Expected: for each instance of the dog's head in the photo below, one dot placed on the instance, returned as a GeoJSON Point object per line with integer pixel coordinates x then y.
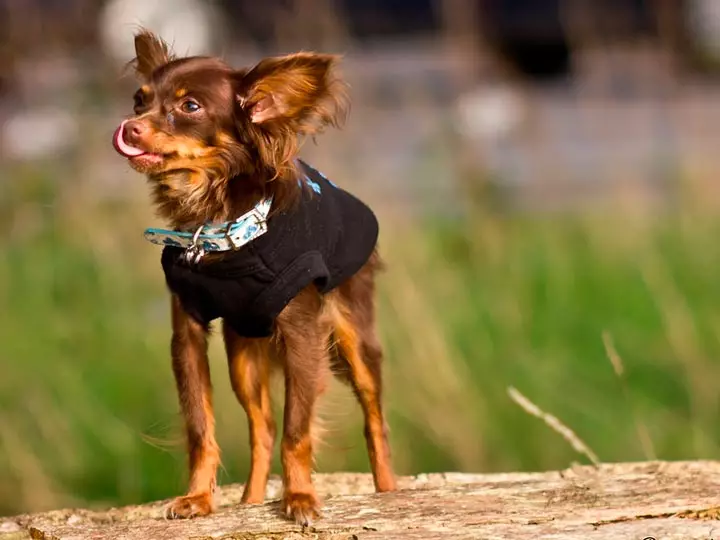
{"type": "Point", "coordinates": [202, 120]}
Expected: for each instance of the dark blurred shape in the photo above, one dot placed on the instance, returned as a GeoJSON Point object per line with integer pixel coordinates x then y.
{"type": "Point", "coordinates": [255, 20]}
{"type": "Point", "coordinates": [536, 35]}
{"type": "Point", "coordinates": [365, 19]}
{"type": "Point", "coordinates": [529, 34]}
{"type": "Point", "coordinates": [5, 56]}
{"type": "Point", "coordinates": [370, 19]}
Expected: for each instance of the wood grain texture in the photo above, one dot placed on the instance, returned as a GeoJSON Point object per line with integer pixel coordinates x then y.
{"type": "Point", "coordinates": [627, 501]}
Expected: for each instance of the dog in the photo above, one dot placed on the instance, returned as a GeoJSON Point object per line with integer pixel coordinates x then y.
{"type": "Point", "coordinates": [263, 241]}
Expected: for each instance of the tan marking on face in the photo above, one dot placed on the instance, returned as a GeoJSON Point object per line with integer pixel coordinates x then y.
{"type": "Point", "coordinates": [190, 148]}
{"type": "Point", "coordinates": [182, 92]}
{"type": "Point", "coordinates": [182, 148]}
{"type": "Point", "coordinates": [224, 139]}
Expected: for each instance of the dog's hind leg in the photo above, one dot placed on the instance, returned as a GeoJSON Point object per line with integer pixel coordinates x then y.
{"type": "Point", "coordinates": [359, 348]}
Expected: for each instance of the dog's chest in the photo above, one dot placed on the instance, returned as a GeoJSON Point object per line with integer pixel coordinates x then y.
{"type": "Point", "coordinates": [323, 241]}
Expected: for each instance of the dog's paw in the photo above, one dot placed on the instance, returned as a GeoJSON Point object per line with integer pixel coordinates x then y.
{"type": "Point", "coordinates": [301, 507]}
{"type": "Point", "coordinates": [385, 483]}
{"type": "Point", "coordinates": [190, 506]}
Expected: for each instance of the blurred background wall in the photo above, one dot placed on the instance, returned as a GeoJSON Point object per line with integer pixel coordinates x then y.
{"type": "Point", "coordinates": [546, 176]}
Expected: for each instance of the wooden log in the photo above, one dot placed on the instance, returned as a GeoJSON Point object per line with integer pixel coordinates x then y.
{"type": "Point", "coordinates": [628, 501]}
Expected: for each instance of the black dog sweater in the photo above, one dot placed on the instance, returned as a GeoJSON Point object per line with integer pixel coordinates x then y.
{"type": "Point", "coordinates": [324, 239]}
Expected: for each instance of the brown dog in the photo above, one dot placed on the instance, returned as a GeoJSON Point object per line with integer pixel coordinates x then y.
{"type": "Point", "coordinates": [265, 242]}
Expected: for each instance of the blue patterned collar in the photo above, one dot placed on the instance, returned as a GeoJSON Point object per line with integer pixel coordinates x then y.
{"type": "Point", "coordinates": [215, 237]}
{"type": "Point", "coordinates": [227, 236]}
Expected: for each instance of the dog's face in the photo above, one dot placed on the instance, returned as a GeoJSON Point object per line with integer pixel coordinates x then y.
{"type": "Point", "coordinates": [199, 115]}
{"type": "Point", "coordinates": [184, 113]}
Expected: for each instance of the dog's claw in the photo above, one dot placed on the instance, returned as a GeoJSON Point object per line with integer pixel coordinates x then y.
{"type": "Point", "coordinates": [303, 508]}
{"type": "Point", "coordinates": [189, 506]}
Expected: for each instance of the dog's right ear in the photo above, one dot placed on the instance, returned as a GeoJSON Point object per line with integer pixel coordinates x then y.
{"type": "Point", "coordinates": [151, 52]}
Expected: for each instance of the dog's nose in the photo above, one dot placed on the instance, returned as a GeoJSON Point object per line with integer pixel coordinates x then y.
{"type": "Point", "coordinates": [134, 131]}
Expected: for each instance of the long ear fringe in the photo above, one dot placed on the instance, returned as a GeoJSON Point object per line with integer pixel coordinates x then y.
{"type": "Point", "coordinates": [151, 53]}
{"type": "Point", "coordinates": [331, 111]}
{"type": "Point", "coordinates": [304, 87]}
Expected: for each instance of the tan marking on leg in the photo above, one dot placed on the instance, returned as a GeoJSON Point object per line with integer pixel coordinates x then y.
{"type": "Point", "coordinates": [366, 385]}
{"type": "Point", "coordinates": [192, 376]}
{"type": "Point", "coordinates": [249, 373]}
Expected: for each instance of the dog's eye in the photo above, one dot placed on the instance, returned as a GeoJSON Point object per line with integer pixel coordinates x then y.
{"type": "Point", "coordinates": [190, 106]}
{"type": "Point", "coordinates": [139, 100]}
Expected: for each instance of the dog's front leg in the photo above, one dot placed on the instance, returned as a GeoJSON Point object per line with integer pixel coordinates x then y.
{"type": "Point", "coordinates": [306, 364]}
{"type": "Point", "coordinates": [249, 364]}
{"type": "Point", "coordinates": [192, 376]}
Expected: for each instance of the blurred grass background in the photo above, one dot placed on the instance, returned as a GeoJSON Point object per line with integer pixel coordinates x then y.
{"type": "Point", "coordinates": [533, 225]}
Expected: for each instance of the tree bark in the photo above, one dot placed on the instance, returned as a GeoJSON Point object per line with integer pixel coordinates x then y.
{"type": "Point", "coordinates": [661, 500]}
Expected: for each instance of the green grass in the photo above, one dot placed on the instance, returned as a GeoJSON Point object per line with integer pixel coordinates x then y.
{"type": "Point", "coordinates": [88, 412]}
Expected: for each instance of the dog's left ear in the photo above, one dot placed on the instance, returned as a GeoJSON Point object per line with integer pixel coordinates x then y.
{"type": "Point", "coordinates": [151, 52]}
{"type": "Point", "coordinates": [300, 91]}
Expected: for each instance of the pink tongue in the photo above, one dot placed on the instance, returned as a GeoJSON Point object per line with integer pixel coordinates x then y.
{"type": "Point", "coordinates": [122, 147]}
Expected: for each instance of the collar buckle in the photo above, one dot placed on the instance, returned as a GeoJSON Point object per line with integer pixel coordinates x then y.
{"type": "Point", "coordinates": [253, 224]}
{"type": "Point", "coordinates": [194, 254]}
